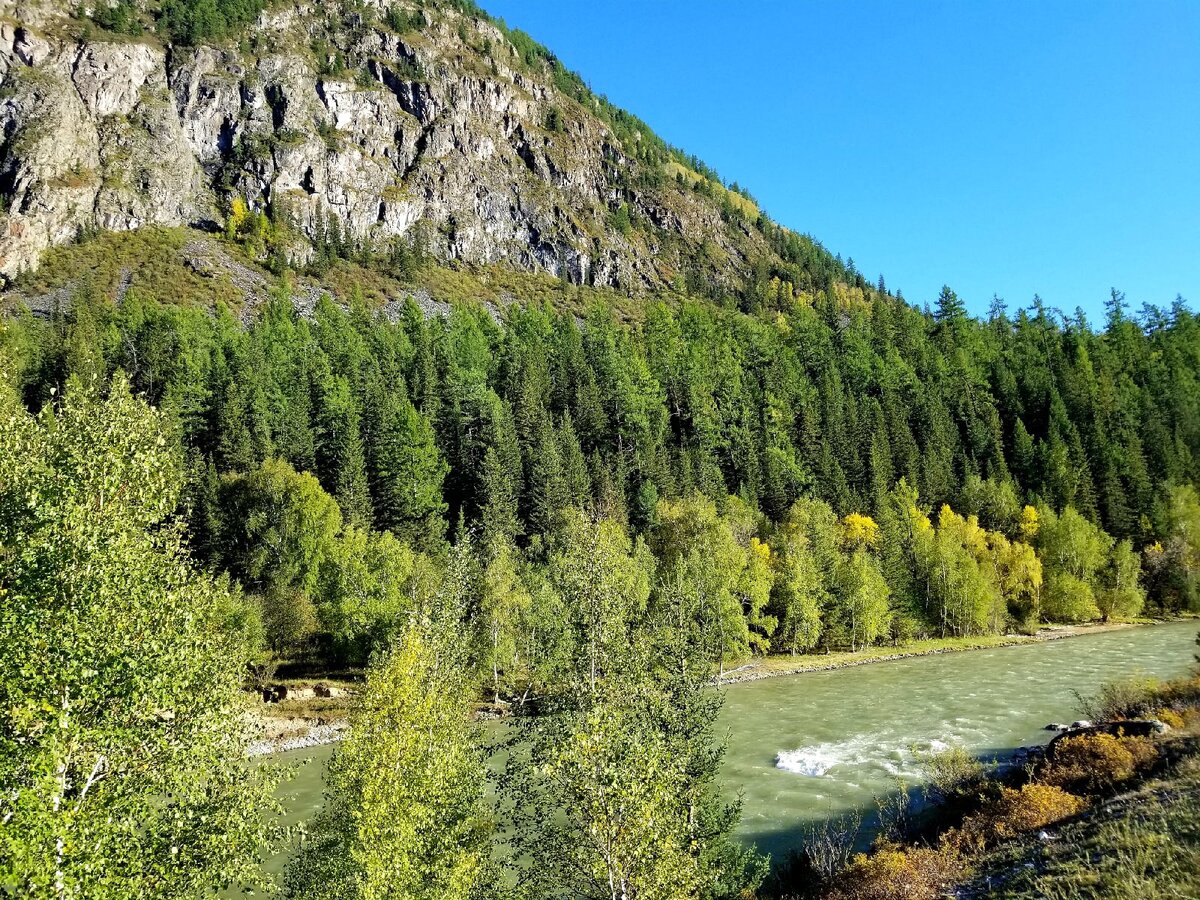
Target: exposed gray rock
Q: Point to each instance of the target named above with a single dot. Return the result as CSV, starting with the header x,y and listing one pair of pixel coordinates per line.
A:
x,y
424,136
110,77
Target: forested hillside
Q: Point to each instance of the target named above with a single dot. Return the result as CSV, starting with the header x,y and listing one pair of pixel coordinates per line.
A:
x,y
838,468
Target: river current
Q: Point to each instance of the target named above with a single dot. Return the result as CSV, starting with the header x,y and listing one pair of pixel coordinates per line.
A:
x,y
804,748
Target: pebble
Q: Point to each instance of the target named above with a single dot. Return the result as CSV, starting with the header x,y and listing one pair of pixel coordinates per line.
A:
x,y
313,737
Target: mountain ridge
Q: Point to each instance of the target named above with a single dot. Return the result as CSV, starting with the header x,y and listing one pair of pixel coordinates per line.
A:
x,y
432,126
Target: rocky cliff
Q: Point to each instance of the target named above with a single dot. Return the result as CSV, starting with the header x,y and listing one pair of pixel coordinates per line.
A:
x,y
442,134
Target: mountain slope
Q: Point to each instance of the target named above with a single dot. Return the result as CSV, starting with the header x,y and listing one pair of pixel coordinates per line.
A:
x,y
368,125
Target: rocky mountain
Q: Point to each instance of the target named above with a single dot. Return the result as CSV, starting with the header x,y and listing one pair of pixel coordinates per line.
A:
x,y
379,122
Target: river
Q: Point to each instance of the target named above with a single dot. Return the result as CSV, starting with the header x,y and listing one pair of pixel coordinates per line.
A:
x,y
802,748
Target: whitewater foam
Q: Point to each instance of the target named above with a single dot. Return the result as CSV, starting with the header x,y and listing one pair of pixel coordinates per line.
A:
x,y
897,758
811,761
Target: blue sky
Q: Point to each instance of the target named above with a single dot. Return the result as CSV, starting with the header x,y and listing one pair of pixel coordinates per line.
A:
x,y
1001,148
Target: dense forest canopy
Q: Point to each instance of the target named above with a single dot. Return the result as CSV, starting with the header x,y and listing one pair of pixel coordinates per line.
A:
x,y
580,516
838,468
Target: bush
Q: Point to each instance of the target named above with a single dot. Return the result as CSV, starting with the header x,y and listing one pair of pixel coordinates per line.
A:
x,y
1180,694
1170,717
890,873
1143,751
1094,762
953,774
1130,698
829,845
1016,812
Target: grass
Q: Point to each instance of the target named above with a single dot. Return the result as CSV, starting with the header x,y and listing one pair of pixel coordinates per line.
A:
x,y
1141,845
691,176
150,257
496,285
152,260
791,665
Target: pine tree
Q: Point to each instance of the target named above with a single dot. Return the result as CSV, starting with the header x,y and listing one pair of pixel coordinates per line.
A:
x,y
340,453
406,470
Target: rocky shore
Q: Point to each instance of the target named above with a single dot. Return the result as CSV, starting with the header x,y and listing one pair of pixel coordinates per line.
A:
x,y
310,736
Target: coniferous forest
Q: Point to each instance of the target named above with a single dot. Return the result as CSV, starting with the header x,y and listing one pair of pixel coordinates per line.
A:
x,y
581,519
837,470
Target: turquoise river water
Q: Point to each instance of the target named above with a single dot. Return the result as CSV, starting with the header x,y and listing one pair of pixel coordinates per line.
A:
x,y
802,748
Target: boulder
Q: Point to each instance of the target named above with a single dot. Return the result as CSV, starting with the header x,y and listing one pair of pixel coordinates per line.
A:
x,y
275,693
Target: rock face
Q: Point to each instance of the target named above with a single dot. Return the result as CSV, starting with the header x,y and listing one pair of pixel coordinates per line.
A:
x,y
442,135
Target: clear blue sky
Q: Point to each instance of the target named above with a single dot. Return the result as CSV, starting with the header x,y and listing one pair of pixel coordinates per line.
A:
x,y
999,147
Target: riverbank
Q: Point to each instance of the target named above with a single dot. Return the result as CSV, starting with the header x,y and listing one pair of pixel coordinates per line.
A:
x,y
1144,842
310,722
774,666
870,725
313,711
1109,812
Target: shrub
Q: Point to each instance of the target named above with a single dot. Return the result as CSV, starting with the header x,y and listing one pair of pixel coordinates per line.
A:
x,y
890,873
1092,762
953,773
1142,749
1170,717
1015,812
1181,693
1126,699
829,845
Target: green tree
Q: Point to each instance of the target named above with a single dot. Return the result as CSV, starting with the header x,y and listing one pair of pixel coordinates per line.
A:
x,y
1018,571
604,580
370,590
691,533
405,818
862,598
1121,594
1073,552
121,759
617,797
961,576
406,472
799,595
281,531
504,610
341,457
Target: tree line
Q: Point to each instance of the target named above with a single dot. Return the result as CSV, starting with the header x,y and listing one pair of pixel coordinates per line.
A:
x,y
829,471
